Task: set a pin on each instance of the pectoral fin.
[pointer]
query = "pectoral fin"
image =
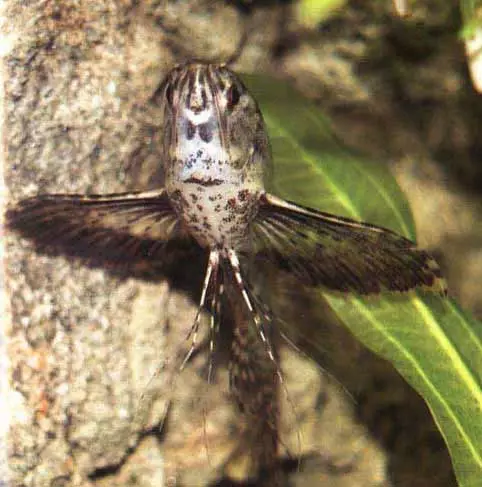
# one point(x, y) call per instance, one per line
point(340, 254)
point(111, 227)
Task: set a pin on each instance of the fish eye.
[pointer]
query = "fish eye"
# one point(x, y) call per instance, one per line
point(233, 96)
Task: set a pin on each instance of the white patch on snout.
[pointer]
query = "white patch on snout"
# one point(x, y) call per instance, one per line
point(198, 118)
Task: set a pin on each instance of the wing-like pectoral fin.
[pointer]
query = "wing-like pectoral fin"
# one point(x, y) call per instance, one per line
point(339, 253)
point(111, 227)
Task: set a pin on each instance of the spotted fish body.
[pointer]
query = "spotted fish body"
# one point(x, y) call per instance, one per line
point(216, 159)
point(215, 153)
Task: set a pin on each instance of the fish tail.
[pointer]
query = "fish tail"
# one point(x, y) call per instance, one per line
point(255, 374)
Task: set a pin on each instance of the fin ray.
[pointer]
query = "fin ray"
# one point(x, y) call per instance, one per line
point(338, 253)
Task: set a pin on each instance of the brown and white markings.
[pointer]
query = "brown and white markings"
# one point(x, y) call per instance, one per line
point(216, 157)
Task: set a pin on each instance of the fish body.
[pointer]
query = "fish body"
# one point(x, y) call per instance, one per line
point(215, 153)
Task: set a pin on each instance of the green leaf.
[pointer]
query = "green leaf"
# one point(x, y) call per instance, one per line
point(471, 16)
point(471, 33)
point(433, 343)
point(312, 12)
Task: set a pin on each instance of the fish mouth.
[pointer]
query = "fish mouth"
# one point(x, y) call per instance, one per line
point(204, 181)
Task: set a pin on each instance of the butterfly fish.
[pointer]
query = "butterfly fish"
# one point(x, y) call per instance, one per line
point(216, 160)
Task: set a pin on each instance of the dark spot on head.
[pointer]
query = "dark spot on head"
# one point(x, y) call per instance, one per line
point(231, 203)
point(204, 98)
point(201, 77)
point(190, 130)
point(205, 132)
point(191, 75)
point(169, 94)
point(233, 96)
